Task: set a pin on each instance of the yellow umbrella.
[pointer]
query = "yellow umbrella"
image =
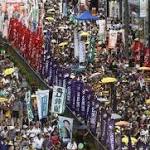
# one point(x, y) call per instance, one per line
point(84, 34)
point(108, 80)
point(50, 18)
point(63, 44)
point(147, 101)
point(125, 140)
point(9, 71)
point(144, 68)
point(122, 123)
point(2, 99)
point(147, 79)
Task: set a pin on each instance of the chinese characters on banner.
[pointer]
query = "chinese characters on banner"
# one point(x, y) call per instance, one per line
point(42, 103)
point(29, 106)
point(58, 100)
point(143, 8)
point(112, 39)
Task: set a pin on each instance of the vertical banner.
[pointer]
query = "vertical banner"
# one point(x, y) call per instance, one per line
point(82, 52)
point(111, 134)
point(65, 128)
point(69, 89)
point(42, 103)
point(29, 106)
point(91, 50)
point(93, 117)
point(143, 8)
point(76, 44)
point(112, 39)
point(102, 28)
point(58, 100)
point(114, 9)
point(79, 92)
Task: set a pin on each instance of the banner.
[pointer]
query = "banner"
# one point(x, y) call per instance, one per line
point(58, 100)
point(42, 103)
point(112, 39)
point(78, 92)
point(111, 134)
point(65, 128)
point(29, 106)
point(143, 8)
point(102, 28)
point(82, 52)
point(114, 9)
point(91, 50)
point(76, 44)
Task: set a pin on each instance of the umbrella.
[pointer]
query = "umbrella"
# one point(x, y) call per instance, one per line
point(115, 116)
point(126, 140)
point(50, 18)
point(84, 34)
point(147, 79)
point(102, 100)
point(51, 10)
point(108, 80)
point(94, 75)
point(122, 123)
point(63, 27)
point(9, 71)
point(147, 112)
point(63, 44)
point(147, 101)
point(144, 68)
point(2, 99)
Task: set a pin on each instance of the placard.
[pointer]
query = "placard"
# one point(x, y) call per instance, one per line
point(58, 100)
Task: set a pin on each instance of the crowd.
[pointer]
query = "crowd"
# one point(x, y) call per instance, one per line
point(132, 90)
point(16, 131)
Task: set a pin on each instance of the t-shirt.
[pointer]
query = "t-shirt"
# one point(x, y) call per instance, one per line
point(72, 146)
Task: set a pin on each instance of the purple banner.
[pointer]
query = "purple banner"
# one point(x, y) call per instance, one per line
point(111, 134)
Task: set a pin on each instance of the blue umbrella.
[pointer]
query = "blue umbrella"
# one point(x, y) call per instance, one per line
point(86, 16)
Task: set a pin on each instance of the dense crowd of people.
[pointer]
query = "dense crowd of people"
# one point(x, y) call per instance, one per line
point(132, 86)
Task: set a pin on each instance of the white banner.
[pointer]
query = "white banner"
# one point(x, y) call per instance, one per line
point(114, 9)
point(58, 100)
point(143, 8)
point(102, 28)
point(65, 128)
point(29, 106)
point(42, 103)
point(76, 44)
point(112, 39)
point(82, 52)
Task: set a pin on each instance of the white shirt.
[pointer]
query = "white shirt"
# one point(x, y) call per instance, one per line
point(36, 131)
point(38, 143)
point(71, 146)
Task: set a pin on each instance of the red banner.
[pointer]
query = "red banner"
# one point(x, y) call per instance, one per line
point(30, 44)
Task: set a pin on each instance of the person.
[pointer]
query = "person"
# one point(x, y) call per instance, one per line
point(72, 145)
point(38, 142)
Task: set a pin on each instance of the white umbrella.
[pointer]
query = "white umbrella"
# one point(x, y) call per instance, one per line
point(115, 116)
point(102, 100)
point(94, 75)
